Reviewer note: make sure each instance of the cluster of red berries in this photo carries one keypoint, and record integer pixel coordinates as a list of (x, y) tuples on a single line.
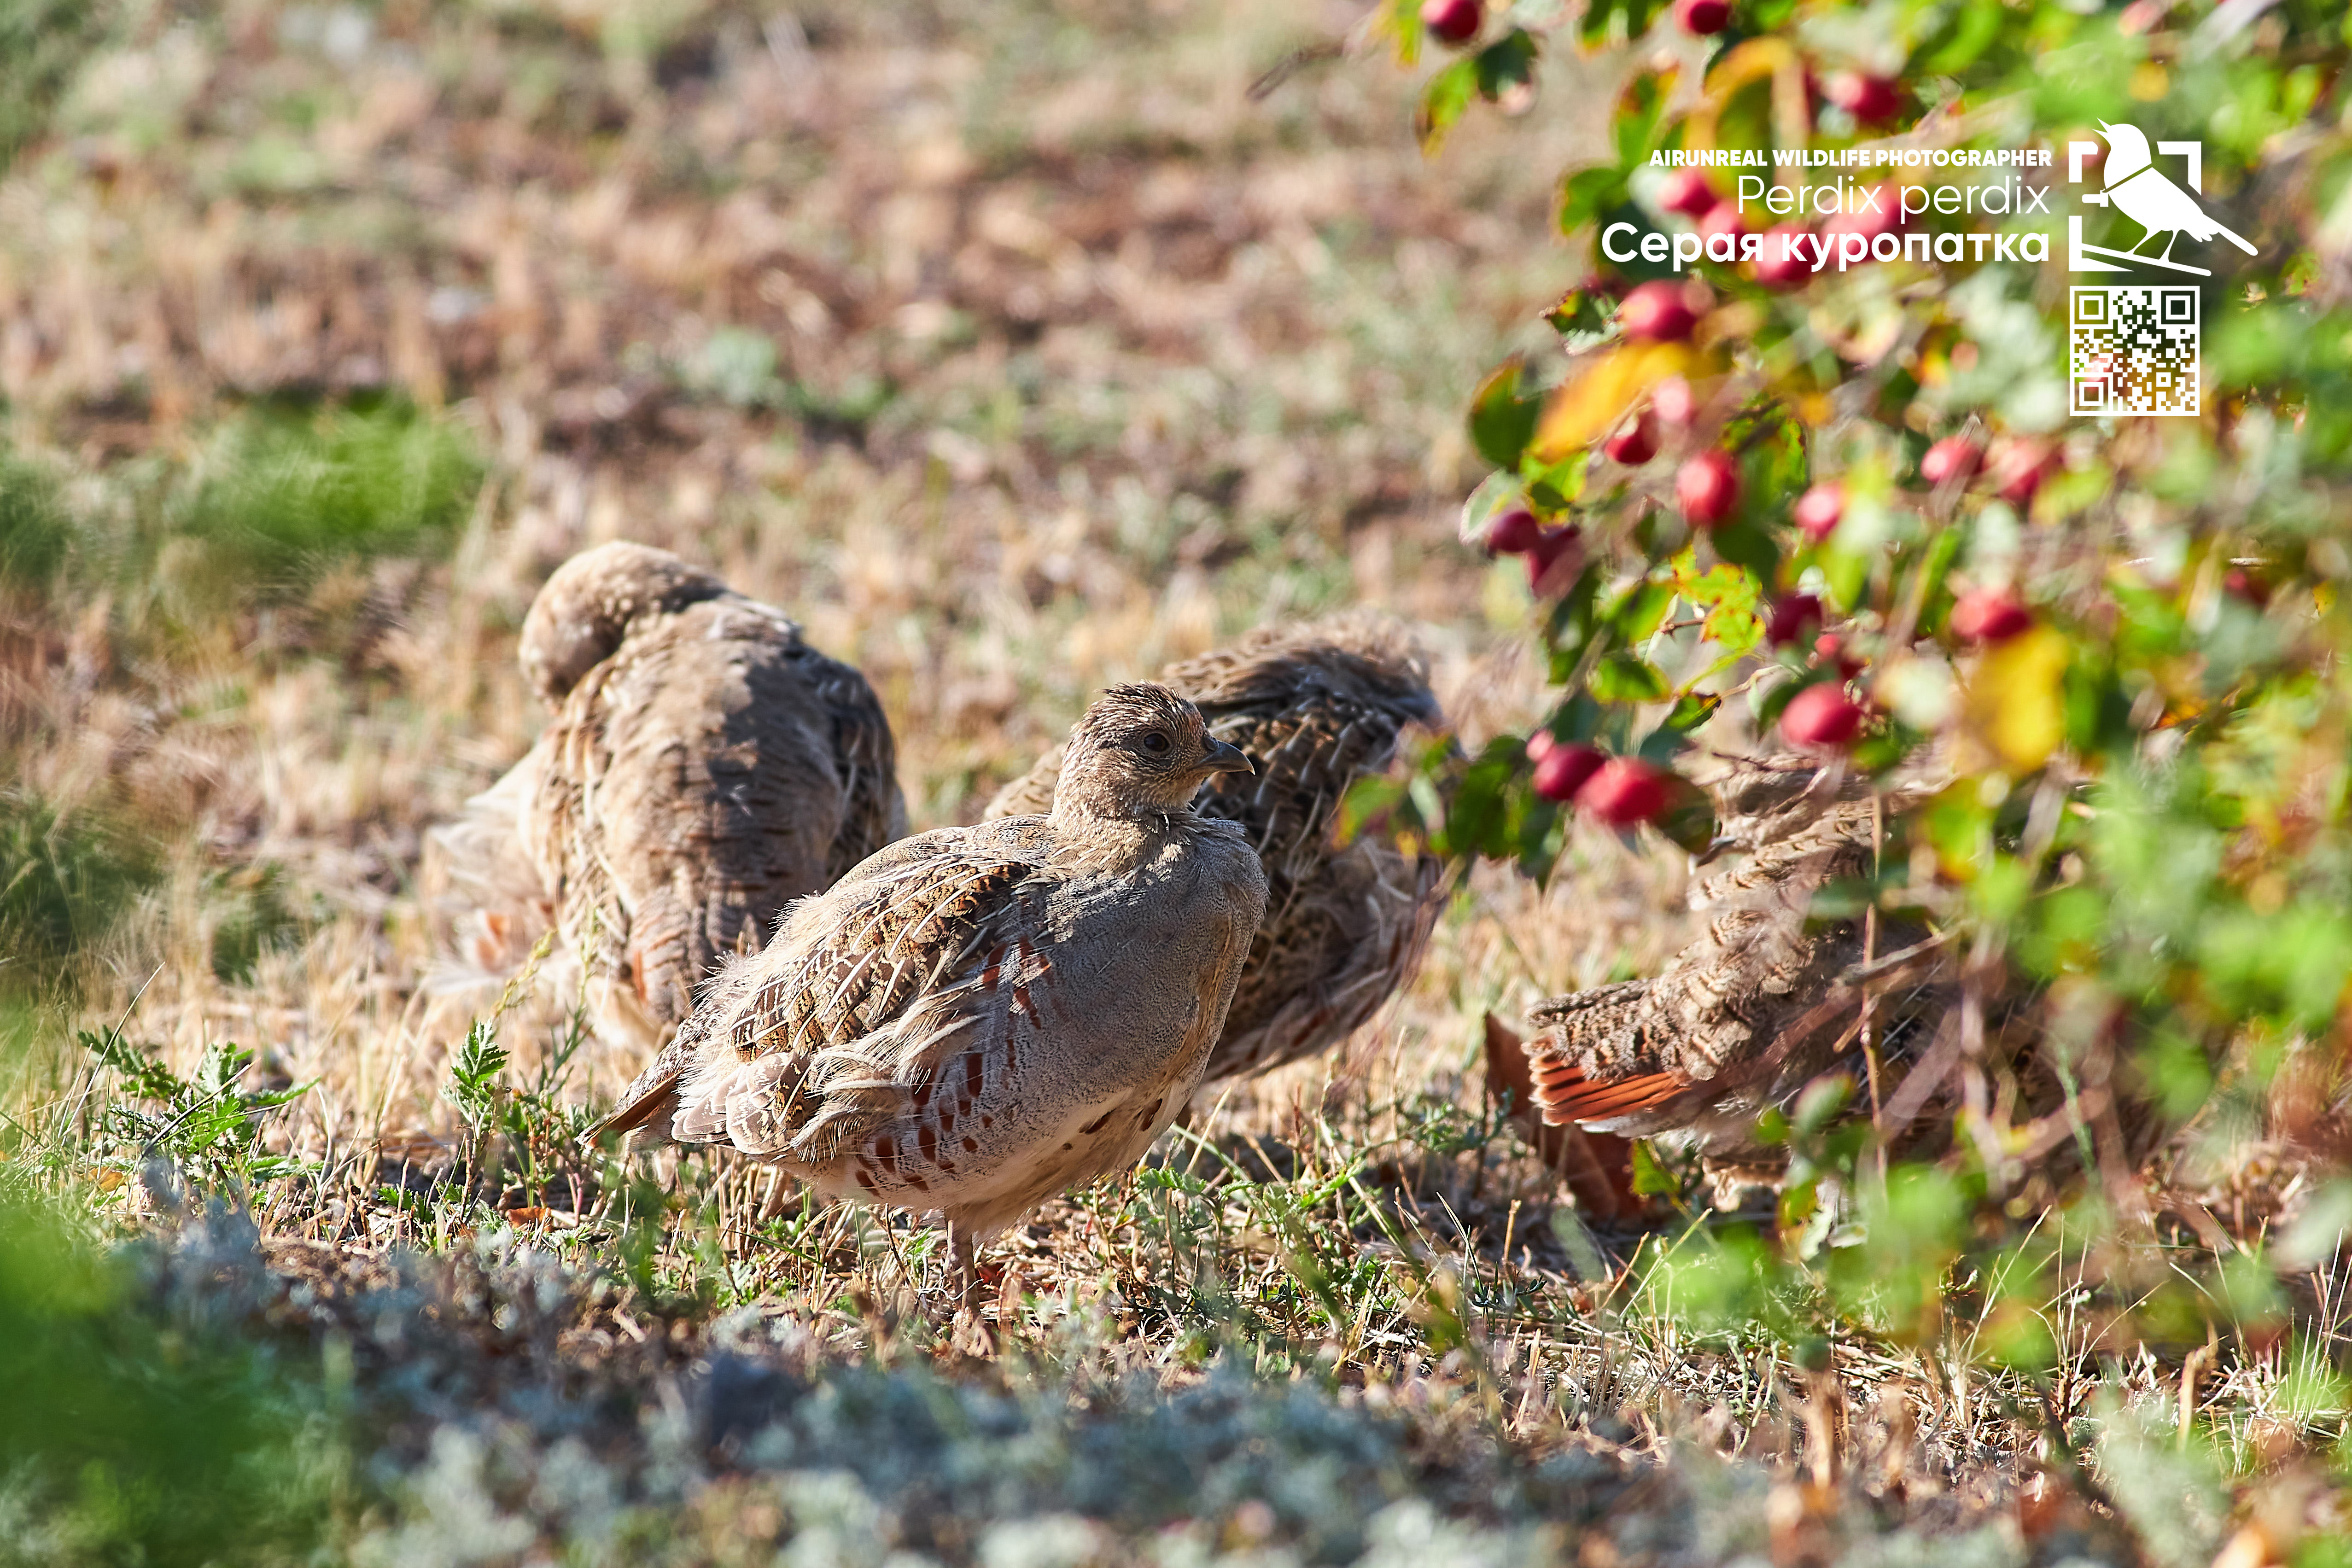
[(1707, 486), (1617, 791)]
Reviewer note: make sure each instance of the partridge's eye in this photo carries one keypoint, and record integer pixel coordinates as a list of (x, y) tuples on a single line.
[(1155, 742)]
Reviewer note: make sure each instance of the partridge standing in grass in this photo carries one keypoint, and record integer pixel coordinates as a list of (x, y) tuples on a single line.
[(1755, 1008), (979, 1017), (1315, 708), (705, 767)]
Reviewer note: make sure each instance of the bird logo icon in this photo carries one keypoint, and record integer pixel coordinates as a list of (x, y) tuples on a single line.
[(2133, 186)]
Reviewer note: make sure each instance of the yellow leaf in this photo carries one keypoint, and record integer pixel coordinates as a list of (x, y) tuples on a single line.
[(2016, 703), (1587, 406)]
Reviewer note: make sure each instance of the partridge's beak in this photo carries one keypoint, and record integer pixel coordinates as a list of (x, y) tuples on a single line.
[(1711, 852), (1226, 757)]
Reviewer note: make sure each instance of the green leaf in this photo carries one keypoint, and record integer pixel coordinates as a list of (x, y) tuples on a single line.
[(1627, 678), (1747, 545), (1640, 611), (1578, 313), (1649, 1178), (1501, 421), (1505, 63), (1691, 710), (1585, 196), (1442, 102)]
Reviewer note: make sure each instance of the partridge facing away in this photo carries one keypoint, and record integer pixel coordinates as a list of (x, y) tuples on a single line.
[(704, 767), (1315, 708), (1757, 1007), (977, 1018)]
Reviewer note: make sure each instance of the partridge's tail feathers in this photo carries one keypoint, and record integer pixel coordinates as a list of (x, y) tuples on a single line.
[(1569, 1099)]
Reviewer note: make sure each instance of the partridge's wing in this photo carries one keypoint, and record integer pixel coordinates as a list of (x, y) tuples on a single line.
[(1352, 930), (1032, 794), (922, 952), (1307, 752), (561, 832), (864, 760), (1764, 960), (717, 798)]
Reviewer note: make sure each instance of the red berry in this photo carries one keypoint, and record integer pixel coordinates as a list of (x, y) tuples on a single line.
[(1707, 486), (1452, 21), (1821, 716), (1561, 771), (1725, 218), (1553, 561), (1791, 619), (1702, 18), (2241, 584), (1871, 99), (1634, 444), (1687, 191), (1513, 531), (1656, 312), (2018, 468), (1623, 793), (1674, 401), (1818, 510), (1539, 743), (1954, 458), (1870, 221), (1989, 615), (1830, 648), (1783, 263)]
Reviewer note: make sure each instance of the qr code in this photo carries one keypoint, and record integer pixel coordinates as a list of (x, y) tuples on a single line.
[(2133, 351)]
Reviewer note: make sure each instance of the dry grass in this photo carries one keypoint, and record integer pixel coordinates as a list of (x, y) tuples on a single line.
[(1015, 351)]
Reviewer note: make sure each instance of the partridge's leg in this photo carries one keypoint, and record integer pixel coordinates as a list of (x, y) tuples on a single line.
[(968, 1332)]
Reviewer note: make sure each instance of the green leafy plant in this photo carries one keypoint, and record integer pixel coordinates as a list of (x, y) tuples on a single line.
[(140, 1430), (209, 1125), (2113, 646)]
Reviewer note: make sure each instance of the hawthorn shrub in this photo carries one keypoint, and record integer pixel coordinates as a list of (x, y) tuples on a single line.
[(2113, 645)]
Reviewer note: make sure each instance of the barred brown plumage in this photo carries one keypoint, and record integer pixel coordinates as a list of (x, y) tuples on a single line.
[(1736, 1021), (704, 767), (977, 1018), (1317, 707), (1770, 999)]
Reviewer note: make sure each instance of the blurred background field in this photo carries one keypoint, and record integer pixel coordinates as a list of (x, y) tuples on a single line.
[(1014, 349)]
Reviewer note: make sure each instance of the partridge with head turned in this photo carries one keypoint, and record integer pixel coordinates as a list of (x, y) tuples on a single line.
[(1315, 708), (1747, 1014), (1772, 998), (705, 767), (979, 1017)]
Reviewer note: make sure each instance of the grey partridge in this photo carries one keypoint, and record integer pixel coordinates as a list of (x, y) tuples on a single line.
[(704, 767), (1755, 1008), (977, 1018), (1315, 708)]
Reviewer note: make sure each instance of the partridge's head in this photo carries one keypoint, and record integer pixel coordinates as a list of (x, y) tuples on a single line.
[(1140, 750), (581, 616)]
